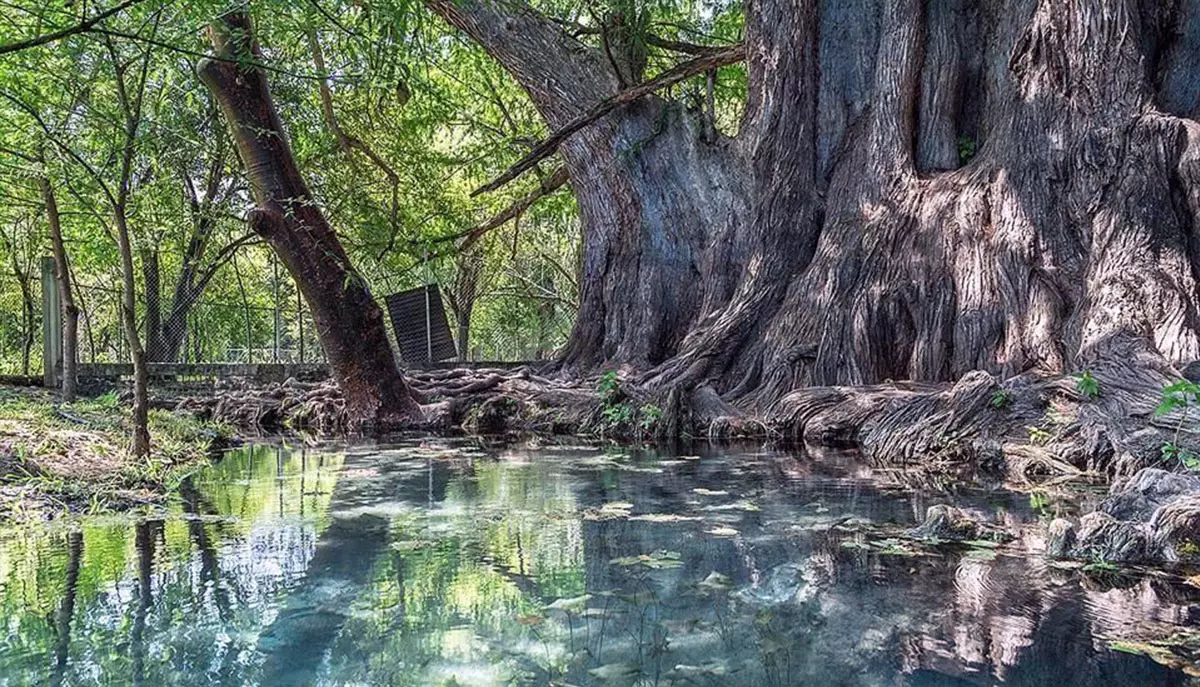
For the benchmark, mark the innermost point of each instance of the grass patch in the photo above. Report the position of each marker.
(58, 458)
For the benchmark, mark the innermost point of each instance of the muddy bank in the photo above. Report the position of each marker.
(57, 459)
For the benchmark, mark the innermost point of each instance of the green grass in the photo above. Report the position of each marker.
(58, 457)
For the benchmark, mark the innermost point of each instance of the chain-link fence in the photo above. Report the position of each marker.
(20, 327)
(251, 312)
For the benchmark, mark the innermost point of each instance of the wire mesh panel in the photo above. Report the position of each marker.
(422, 331)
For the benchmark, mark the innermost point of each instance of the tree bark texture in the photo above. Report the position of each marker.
(660, 206)
(349, 323)
(918, 189)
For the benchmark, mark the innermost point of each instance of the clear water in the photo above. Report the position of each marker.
(435, 564)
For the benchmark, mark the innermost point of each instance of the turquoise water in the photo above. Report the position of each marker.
(440, 563)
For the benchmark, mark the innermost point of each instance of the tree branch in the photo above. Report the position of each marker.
(81, 27)
(551, 184)
(670, 77)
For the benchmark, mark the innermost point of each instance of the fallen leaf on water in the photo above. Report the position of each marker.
(715, 582)
(615, 671)
(657, 561)
(571, 605)
(710, 668)
(665, 517)
(407, 546)
(609, 511)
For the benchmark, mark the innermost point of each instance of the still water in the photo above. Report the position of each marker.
(436, 563)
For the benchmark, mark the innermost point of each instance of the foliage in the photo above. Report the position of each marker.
(1182, 396)
(619, 416)
(1002, 399)
(1087, 385)
(967, 148)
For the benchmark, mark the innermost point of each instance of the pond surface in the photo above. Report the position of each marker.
(435, 563)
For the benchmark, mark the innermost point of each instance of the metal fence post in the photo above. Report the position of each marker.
(51, 324)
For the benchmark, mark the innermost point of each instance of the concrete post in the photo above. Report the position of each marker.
(52, 353)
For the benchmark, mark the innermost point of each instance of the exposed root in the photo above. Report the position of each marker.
(483, 401)
(1029, 428)
(1151, 517)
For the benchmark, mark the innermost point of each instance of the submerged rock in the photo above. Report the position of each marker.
(947, 523)
(783, 584)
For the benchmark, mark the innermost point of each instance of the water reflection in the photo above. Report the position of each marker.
(440, 564)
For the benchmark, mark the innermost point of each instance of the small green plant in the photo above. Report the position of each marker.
(1174, 452)
(1039, 436)
(1099, 566)
(1087, 385)
(967, 148)
(609, 387)
(617, 416)
(1002, 399)
(1039, 502)
(649, 416)
(1183, 395)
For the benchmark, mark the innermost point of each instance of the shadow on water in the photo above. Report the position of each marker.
(440, 563)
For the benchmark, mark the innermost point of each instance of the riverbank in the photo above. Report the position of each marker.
(58, 458)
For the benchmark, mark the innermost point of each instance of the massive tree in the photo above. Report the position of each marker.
(349, 323)
(918, 189)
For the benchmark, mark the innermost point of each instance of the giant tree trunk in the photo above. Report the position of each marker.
(349, 323)
(920, 188)
(62, 275)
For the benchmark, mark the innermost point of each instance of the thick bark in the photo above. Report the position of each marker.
(919, 189)
(62, 275)
(349, 323)
(660, 206)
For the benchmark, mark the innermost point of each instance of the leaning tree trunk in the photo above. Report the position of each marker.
(660, 205)
(349, 323)
(62, 273)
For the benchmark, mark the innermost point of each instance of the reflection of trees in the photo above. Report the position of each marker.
(66, 608)
(416, 565)
(144, 541)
